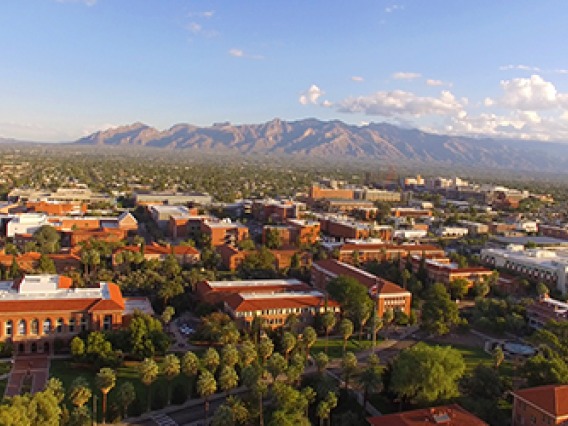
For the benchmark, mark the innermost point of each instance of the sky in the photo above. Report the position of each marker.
(479, 68)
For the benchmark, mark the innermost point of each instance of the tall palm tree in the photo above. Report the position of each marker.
(126, 396)
(288, 343)
(370, 380)
(80, 392)
(309, 337)
(206, 386)
(171, 368)
(228, 378)
(328, 322)
(148, 371)
(105, 381)
(346, 330)
(190, 367)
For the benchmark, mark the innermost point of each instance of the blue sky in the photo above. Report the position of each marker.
(71, 67)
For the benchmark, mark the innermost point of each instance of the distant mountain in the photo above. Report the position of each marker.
(338, 140)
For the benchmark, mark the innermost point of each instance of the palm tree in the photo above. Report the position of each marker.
(105, 381)
(189, 367)
(321, 360)
(252, 379)
(346, 330)
(229, 355)
(276, 365)
(228, 378)
(328, 322)
(349, 366)
(309, 337)
(265, 348)
(206, 386)
(148, 370)
(171, 368)
(371, 380)
(80, 392)
(211, 360)
(248, 353)
(126, 396)
(288, 343)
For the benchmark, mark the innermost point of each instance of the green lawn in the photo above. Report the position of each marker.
(335, 347)
(67, 371)
(5, 367)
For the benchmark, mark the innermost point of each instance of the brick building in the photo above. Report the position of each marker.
(185, 255)
(367, 252)
(542, 405)
(38, 309)
(271, 300)
(224, 232)
(448, 415)
(388, 294)
(443, 270)
(29, 262)
(56, 208)
(560, 232)
(232, 257)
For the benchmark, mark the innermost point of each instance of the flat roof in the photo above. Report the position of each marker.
(254, 283)
(539, 240)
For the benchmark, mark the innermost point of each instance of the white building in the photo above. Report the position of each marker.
(453, 231)
(548, 266)
(26, 223)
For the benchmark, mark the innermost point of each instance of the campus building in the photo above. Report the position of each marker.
(271, 300)
(387, 294)
(368, 251)
(37, 310)
(542, 405)
(447, 415)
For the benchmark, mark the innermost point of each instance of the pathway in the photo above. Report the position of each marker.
(28, 367)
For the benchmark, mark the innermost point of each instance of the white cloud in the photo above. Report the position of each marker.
(206, 14)
(311, 95)
(194, 27)
(406, 75)
(531, 68)
(326, 104)
(531, 94)
(438, 83)
(357, 79)
(239, 53)
(401, 103)
(394, 8)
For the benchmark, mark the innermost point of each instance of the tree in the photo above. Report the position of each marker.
(328, 322)
(148, 371)
(80, 392)
(545, 368)
(498, 356)
(211, 359)
(80, 416)
(228, 378)
(288, 343)
(346, 330)
(481, 288)
(46, 265)
(484, 383)
(206, 386)
(229, 355)
(321, 360)
(47, 238)
(440, 369)
(77, 347)
(439, 313)
(349, 366)
(252, 379)
(232, 412)
(105, 381)
(126, 396)
(247, 353)
(542, 289)
(325, 406)
(309, 338)
(272, 238)
(171, 368)
(189, 367)
(370, 379)
(406, 275)
(168, 314)
(458, 288)
(276, 365)
(265, 349)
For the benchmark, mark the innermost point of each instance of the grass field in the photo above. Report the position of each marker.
(67, 371)
(335, 346)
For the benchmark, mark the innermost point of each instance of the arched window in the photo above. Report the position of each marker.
(8, 328)
(72, 325)
(22, 327)
(59, 325)
(34, 326)
(47, 326)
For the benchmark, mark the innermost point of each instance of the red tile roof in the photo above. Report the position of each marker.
(367, 279)
(447, 415)
(162, 250)
(551, 398)
(239, 304)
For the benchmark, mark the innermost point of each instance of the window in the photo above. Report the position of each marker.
(8, 328)
(84, 323)
(47, 326)
(22, 327)
(72, 325)
(34, 327)
(59, 325)
(107, 322)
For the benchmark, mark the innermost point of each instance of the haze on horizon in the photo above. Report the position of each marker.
(71, 67)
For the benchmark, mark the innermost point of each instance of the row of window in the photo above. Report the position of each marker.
(48, 326)
(285, 311)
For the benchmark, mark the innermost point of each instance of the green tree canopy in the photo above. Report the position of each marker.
(439, 313)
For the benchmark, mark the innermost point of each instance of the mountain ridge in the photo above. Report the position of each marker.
(311, 137)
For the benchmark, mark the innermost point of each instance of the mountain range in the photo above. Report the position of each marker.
(338, 140)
